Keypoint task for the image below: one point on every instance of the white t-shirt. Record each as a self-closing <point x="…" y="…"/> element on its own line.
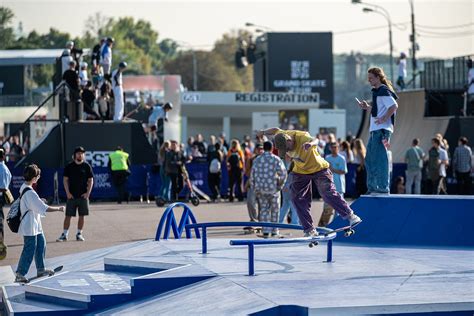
<point x="402" y="68"/>
<point x="443" y="155"/>
<point x="116" y="79"/>
<point x="30" y="202"/>
<point x="383" y="104"/>
<point x="470" y="78"/>
<point x="157" y="113"/>
<point x="83" y="76"/>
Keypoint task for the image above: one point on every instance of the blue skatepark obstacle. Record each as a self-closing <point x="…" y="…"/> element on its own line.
<point x="168" y="222"/>
<point x="413" y="220"/>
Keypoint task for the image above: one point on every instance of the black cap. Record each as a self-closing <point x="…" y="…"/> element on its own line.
<point x="79" y="149"/>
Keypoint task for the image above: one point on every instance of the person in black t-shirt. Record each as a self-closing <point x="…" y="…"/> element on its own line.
<point x="71" y="77"/>
<point x="78" y="181"/>
<point x="88" y="98"/>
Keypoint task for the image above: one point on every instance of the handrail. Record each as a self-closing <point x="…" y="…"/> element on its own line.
<point x="204" y="227"/>
<point x="55" y="92"/>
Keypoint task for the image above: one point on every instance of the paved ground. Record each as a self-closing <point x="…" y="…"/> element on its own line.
<point x="112" y="224"/>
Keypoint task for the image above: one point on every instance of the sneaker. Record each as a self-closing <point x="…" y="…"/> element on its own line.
<point x="45" y="272"/>
<point x="266" y="235"/>
<point x="3" y="250"/>
<point x="20" y="278"/>
<point x="62" y="238"/>
<point x="312" y="233"/>
<point x="79" y="237"/>
<point x="277" y="235"/>
<point x="354" y="220"/>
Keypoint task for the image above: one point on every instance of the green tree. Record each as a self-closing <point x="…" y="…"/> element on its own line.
<point x="213" y="73"/>
<point x="7" y="36"/>
<point x="226" y="48"/>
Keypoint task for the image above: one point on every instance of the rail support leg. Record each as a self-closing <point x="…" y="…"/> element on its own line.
<point x="329" y="251"/>
<point x="204" y="240"/>
<point x="251" y="260"/>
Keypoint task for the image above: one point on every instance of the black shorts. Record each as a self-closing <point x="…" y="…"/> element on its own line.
<point x="81" y="205"/>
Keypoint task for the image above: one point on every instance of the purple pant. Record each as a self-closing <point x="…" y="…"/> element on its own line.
<point x="301" y="195"/>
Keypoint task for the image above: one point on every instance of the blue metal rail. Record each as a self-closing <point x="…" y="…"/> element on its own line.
<point x="252" y="242"/>
<point x="326" y="235"/>
<point x="204" y="227"/>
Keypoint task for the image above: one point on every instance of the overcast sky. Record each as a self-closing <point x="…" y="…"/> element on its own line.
<point x="200" y="23"/>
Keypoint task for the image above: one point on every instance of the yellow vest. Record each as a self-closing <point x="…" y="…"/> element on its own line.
<point x="118" y="160"/>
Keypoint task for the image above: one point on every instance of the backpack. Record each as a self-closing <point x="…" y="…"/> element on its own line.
<point x="215" y="166"/>
<point x="14" y="217"/>
<point x="433" y="164"/>
<point x="234" y="160"/>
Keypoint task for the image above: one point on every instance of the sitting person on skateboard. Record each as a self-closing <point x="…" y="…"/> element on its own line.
<point x="309" y="166"/>
<point x="32" y="208"/>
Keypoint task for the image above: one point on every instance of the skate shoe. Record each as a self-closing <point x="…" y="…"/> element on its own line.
<point x="62" y="238"/>
<point x="79" y="237"/>
<point x="354" y="220"/>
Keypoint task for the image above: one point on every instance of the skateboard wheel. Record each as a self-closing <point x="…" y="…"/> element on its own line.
<point x="311" y="245"/>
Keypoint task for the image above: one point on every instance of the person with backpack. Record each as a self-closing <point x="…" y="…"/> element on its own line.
<point x="5" y="178"/>
<point x="31" y="209"/>
<point x="214" y="158"/>
<point x="235" y="166"/>
<point x="414" y="158"/>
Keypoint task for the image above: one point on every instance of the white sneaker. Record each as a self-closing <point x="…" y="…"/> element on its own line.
<point x="312" y="233"/>
<point x="62" y="238"/>
<point x="354" y="219"/>
<point x="79" y="237"/>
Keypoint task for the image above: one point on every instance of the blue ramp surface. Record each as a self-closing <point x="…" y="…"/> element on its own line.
<point x="415" y="220"/>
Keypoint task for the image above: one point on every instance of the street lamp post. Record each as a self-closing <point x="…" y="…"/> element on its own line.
<point x="413" y="41"/>
<point x="195" y="77"/>
<point x="385" y="14"/>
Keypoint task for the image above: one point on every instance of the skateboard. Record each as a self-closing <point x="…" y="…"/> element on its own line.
<point x="348" y="230"/>
<point x="56" y="270"/>
<point x="313" y="243"/>
<point x="3" y="250"/>
<point x="251" y="230"/>
<point x="201" y="194"/>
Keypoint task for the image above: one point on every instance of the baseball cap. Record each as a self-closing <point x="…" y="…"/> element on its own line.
<point x="280" y="144"/>
<point x="259" y="146"/>
<point x="79" y="149"/>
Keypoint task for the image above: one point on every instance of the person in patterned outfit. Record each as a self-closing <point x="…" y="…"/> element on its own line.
<point x="267" y="178"/>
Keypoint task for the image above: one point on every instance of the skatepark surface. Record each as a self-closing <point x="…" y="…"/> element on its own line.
<point x="145" y="277"/>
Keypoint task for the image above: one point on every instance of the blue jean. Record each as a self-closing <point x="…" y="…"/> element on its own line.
<point x="287" y="206"/>
<point x="376" y="162"/>
<point x="34" y="246"/>
<point x="164" y="191"/>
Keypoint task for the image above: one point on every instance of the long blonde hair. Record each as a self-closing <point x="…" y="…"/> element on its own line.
<point x="378" y="72"/>
<point x="359" y="150"/>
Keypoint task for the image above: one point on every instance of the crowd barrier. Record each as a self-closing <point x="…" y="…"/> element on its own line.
<point x="145" y="180"/>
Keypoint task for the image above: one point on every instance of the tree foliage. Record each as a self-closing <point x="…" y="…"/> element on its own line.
<point x="215" y="69"/>
<point x="137" y="43"/>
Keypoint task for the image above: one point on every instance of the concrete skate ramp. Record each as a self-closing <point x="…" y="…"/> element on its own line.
<point x="412" y="220"/>
<point x="410" y="123"/>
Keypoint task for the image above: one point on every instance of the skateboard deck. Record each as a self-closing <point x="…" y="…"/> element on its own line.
<point x="201" y="193"/>
<point x="56" y="270"/>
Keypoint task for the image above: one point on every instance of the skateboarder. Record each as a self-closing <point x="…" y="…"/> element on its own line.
<point x="32" y="208"/>
<point x="309" y="166"/>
